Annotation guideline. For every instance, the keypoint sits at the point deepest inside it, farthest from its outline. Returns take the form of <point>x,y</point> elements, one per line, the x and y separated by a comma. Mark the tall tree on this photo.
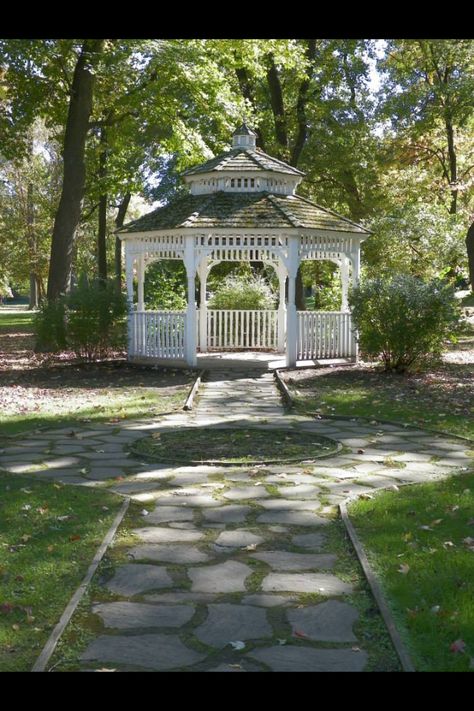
<point>74,176</point>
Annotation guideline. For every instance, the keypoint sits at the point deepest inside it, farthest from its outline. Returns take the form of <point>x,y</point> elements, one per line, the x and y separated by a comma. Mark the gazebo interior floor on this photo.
<point>258,359</point>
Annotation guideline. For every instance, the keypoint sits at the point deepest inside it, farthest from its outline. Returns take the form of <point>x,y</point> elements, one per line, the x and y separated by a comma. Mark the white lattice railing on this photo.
<point>157,334</point>
<point>241,329</point>
<point>325,334</point>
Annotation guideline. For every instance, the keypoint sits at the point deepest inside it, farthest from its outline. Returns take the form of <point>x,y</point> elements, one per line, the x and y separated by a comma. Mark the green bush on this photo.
<point>95,319</point>
<point>50,326</point>
<point>89,321</point>
<point>404,320</point>
<point>243,292</point>
<point>165,286</point>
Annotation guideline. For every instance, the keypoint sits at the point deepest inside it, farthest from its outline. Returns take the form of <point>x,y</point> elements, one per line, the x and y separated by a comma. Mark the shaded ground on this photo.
<point>441,398</point>
<point>36,389</point>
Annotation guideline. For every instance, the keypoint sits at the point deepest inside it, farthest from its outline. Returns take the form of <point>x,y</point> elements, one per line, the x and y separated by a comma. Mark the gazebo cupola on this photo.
<point>243,169</point>
<point>242,206</point>
<point>244,137</point>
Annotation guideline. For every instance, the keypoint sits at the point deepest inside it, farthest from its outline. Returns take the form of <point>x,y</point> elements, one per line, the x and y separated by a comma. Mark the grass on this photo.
<point>429,529</point>
<point>234,446</point>
<point>10,319</point>
<point>44,391</point>
<point>434,401</point>
<point>48,536</point>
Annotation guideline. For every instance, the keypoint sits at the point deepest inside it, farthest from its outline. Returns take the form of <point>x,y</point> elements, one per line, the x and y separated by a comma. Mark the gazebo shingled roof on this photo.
<point>226,210</point>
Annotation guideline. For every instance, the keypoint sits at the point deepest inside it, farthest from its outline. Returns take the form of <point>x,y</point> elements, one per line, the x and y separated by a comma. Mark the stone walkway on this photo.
<point>216,578</point>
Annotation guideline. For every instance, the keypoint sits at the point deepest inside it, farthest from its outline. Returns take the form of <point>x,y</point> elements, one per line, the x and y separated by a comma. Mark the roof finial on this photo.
<point>244,137</point>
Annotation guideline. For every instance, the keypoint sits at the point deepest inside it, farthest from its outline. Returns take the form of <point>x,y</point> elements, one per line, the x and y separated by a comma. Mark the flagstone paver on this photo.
<point>307,659</point>
<point>230,622</point>
<point>133,615</point>
<point>222,578</point>
<point>330,621</point>
<point>243,545</point>
<point>134,579</point>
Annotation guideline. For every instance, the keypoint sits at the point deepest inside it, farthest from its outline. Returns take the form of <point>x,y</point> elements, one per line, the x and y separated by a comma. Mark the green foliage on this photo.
<point>90,321</point>
<point>95,319</point>
<point>165,286</point>
<point>243,292</point>
<point>415,238</point>
<point>404,320</point>
<point>50,325</point>
<point>325,279</point>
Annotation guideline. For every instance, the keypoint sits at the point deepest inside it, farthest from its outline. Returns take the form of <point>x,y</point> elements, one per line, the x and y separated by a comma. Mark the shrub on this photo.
<point>243,292</point>
<point>404,320</point>
<point>90,321</point>
<point>50,326</point>
<point>95,319</point>
<point>165,286</point>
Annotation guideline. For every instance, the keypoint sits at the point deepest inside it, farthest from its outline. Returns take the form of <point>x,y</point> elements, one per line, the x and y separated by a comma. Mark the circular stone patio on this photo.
<point>226,556</point>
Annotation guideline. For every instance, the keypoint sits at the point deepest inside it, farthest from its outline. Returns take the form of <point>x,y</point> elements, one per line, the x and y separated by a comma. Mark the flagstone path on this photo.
<point>216,578</point>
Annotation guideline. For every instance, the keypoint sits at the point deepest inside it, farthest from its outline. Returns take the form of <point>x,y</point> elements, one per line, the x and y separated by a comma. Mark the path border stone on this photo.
<point>50,646</point>
<point>376,588</point>
<point>188,405</point>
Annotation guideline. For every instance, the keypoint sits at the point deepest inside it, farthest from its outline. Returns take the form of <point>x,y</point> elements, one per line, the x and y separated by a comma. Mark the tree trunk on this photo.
<point>301,104</point>
<point>119,220</point>
<point>32,246</point>
<point>74,172</point>
<point>278,108</point>
<point>453,174</point>
<point>247,92</point>
<point>102,221</point>
<point>470,254</point>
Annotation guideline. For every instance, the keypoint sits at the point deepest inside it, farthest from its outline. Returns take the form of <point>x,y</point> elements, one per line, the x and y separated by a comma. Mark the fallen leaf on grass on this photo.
<point>459,646</point>
<point>76,537</point>
<point>237,645</point>
<point>448,544</point>
<point>6,608</point>
<point>299,633</point>
<point>281,642</point>
<point>25,538</point>
<point>404,569</point>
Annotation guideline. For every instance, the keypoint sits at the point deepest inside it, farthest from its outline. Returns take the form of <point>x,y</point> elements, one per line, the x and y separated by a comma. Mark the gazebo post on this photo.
<point>141,284</point>
<point>190,331</point>
<point>203,274</point>
<point>281,273</point>
<point>344,282</point>
<point>130,320</point>
<point>291,315</point>
<point>355,274</point>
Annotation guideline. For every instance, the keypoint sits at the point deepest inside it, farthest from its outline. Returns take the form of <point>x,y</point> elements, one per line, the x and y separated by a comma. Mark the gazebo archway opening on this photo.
<point>242,208</point>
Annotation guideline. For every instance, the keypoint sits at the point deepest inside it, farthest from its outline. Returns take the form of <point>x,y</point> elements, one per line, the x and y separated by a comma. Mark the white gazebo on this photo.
<point>241,206</point>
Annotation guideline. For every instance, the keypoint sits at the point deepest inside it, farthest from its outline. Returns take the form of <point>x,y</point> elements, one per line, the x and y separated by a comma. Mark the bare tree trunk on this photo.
<point>470,254</point>
<point>102,215</point>
<point>278,107</point>
<point>453,174</point>
<point>301,104</point>
<point>119,220</point>
<point>32,246</point>
<point>70,204</point>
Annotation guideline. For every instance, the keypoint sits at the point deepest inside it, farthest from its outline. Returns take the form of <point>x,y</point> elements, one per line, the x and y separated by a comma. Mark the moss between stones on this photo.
<point>230,446</point>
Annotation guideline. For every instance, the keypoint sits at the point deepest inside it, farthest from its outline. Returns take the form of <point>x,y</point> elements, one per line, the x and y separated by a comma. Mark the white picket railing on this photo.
<point>325,334</point>
<point>229,329</point>
<point>161,334</point>
<point>157,334</point>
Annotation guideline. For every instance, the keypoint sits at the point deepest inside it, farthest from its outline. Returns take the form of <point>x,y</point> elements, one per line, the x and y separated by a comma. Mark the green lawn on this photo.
<point>420,541</point>
<point>10,319</point>
<point>48,536</point>
<point>442,399</point>
<point>45,391</point>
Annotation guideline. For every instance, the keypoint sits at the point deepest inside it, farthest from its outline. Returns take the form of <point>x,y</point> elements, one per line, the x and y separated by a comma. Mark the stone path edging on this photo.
<point>50,646</point>
<point>375,586</point>
<point>188,405</point>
